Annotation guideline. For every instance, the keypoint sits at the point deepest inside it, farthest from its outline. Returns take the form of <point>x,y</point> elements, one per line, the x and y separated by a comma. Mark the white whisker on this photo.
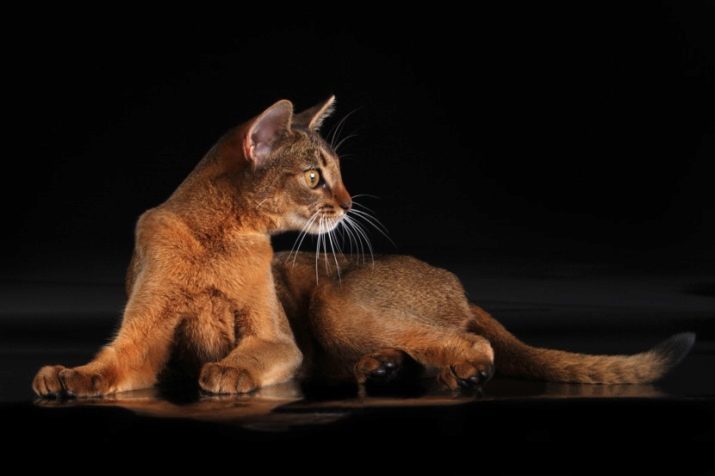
<point>323,229</point>
<point>301,236</point>
<point>317,255</point>
<point>374,222</point>
<point>365,236</point>
<point>368,195</point>
<point>363,206</point>
<point>344,140</point>
<point>338,128</point>
<point>350,228</point>
<point>345,232</point>
<point>332,247</point>
<point>361,231</point>
<point>338,237</point>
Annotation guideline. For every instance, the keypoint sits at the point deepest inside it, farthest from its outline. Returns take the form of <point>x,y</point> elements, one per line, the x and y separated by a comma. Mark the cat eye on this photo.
<point>312,177</point>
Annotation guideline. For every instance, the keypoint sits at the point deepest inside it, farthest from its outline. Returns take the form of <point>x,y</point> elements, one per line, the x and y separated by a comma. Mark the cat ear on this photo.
<point>313,118</point>
<point>265,129</point>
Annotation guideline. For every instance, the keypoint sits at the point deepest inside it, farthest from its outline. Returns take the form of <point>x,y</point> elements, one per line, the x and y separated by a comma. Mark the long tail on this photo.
<point>517,359</point>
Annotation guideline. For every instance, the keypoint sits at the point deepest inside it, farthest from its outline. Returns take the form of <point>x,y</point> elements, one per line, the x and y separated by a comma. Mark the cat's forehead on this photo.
<point>317,150</point>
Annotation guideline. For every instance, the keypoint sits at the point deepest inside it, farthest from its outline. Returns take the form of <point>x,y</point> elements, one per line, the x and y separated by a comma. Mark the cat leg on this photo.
<point>465,360</point>
<point>131,361</point>
<point>383,366</point>
<point>352,330</point>
<point>266,352</point>
<point>462,360</point>
<point>254,363</point>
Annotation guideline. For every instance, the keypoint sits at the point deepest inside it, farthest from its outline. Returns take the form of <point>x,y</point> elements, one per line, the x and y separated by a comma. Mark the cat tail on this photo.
<point>517,359</point>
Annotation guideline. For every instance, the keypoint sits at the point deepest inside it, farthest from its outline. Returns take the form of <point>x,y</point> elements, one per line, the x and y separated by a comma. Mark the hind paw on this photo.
<point>466,375</point>
<point>379,367</point>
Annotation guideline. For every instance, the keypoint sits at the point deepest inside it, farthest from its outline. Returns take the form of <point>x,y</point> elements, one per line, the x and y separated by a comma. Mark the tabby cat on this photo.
<point>204,286</point>
<point>369,320</point>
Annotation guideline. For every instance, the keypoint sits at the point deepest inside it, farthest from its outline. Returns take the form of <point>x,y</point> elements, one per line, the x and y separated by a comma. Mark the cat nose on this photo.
<point>341,195</point>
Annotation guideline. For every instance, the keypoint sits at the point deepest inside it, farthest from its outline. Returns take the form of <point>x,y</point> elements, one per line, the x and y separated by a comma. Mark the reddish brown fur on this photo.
<point>203,279</point>
<point>201,270</point>
<point>404,304</point>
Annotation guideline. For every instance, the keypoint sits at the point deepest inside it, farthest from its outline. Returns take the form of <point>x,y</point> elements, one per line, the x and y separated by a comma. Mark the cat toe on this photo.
<point>467,375</point>
<point>379,367</point>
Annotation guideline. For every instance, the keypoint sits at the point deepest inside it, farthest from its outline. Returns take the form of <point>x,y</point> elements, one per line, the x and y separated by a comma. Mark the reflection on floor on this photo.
<point>597,426</point>
<point>285,406</point>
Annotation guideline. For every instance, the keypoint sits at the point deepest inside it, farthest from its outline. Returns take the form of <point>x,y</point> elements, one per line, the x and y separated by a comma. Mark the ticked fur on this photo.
<point>204,287</point>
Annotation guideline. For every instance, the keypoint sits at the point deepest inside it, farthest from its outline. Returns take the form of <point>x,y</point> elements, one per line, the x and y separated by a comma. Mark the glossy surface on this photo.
<point>575,309</point>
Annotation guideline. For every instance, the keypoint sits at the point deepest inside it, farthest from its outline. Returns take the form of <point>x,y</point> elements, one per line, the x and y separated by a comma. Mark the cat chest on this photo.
<point>213,324</point>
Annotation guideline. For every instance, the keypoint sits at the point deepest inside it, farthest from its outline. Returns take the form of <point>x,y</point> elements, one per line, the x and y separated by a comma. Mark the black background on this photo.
<point>575,132</point>
<point>503,138</point>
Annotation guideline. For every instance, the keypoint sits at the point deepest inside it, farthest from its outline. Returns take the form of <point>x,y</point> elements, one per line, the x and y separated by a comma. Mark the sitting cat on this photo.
<point>200,279</point>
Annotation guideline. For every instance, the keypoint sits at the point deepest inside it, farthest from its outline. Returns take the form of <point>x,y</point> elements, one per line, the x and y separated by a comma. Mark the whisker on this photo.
<point>301,237</point>
<point>317,255</point>
<point>368,216</point>
<point>368,195</point>
<point>361,231</point>
<point>367,242</point>
<point>339,126</point>
<point>345,230</point>
<point>303,231</point>
<point>350,228</point>
<point>357,204</point>
<point>339,238</point>
<point>325,245</point>
<point>375,223</point>
<point>332,247</point>
<point>344,140</point>
<point>335,235</point>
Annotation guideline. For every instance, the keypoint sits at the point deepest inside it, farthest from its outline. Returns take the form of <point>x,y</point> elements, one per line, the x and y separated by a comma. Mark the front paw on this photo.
<point>219,378</point>
<point>47,383</point>
<point>56,380</point>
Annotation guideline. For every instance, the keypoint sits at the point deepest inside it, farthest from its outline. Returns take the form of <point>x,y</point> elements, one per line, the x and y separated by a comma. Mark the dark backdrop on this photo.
<point>531,132</point>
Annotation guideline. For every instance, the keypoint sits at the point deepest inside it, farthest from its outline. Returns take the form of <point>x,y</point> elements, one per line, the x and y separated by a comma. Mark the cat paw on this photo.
<point>56,380</point>
<point>46,383</point>
<point>80,383</point>
<point>466,375</point>
<point>220,379</point>
<point>379,367</point>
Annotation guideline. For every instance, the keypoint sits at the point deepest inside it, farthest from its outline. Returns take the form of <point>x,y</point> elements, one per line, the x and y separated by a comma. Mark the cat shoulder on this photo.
<point>158,225</point>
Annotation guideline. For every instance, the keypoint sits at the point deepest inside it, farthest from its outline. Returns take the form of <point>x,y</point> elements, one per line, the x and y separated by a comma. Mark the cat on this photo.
<point>204,283</point>
<point>200,280</point>
<point>373,319</point>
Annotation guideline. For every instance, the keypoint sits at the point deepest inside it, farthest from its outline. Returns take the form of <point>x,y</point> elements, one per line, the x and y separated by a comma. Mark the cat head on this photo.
<point>294,172</point>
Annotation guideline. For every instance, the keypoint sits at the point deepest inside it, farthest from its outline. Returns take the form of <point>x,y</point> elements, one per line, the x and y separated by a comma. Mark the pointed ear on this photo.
<point>313,118</point>
<point>265,130</point>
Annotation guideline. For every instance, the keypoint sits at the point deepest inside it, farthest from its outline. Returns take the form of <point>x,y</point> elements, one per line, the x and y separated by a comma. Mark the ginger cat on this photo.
<point>200,279</point>
<point>374,318</point>
<point>203,284</point>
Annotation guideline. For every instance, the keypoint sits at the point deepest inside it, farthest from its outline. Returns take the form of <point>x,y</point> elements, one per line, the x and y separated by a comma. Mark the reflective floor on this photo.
<point>540,426</point>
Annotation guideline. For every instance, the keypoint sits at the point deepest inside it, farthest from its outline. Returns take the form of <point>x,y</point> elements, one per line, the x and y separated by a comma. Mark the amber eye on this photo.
<point>312,177</point>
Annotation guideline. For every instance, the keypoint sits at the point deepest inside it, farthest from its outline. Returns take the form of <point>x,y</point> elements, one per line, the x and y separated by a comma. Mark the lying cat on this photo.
<point>370,320</point>
<point>204,287</point>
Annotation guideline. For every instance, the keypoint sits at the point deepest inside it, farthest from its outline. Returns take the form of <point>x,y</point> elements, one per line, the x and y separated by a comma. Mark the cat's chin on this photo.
<point>327,225</point>
<point>298,223</point>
